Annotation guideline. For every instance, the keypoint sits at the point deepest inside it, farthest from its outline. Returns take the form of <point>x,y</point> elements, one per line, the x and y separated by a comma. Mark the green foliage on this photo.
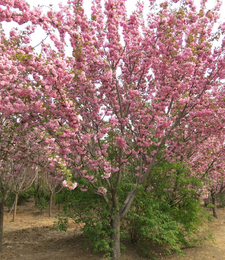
<point>10,200</point>
<point>61,224</point>
<point>210,206</point>
<point>25,195</point>
<point>221,199</point>
<point>88,210</point>
<point>22,57</point>
<point>41,200</point>
<point>166,211</point>
<point>97,230</point>
<point>41,204</point>
<point>22,198</point>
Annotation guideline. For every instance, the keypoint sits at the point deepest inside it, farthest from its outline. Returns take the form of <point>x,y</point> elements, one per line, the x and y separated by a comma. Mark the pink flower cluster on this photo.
<point>102,190</point>
<point>69,185</point>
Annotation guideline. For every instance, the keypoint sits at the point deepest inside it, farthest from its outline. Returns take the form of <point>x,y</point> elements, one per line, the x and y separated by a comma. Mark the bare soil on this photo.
<point>31,237</point>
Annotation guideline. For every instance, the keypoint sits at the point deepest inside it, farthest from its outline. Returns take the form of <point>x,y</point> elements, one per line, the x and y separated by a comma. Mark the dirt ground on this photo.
<point>31,237</point>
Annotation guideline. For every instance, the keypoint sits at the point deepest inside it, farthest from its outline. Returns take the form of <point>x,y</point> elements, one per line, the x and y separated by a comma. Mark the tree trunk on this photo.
<point>213,195</point>
<point>206,202</point>
<point>37,196</point>
<point>15,206</point>
<point>1,222</point>
<point>116,254</point>
<point>116,220</point>
<point>50,204</point>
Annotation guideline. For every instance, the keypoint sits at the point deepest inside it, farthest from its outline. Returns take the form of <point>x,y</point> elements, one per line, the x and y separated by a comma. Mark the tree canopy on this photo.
<point>134,93</point>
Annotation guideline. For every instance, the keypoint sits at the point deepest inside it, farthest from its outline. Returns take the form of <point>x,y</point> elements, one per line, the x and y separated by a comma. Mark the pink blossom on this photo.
<point>70,185</point>
<point>114,121</point>
<point>106,176</point>
<point>83,189</point>
<point>102,190</point>
<point>121,142</point>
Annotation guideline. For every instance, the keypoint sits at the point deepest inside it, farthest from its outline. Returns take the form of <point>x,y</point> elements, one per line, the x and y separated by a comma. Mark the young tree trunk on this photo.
<point>50,204</point>
<point>206,202</point>
<point>116,221</point>
<point>213,195</point>
<point>1,222</point>
<point>116,254</point>
<point>15,206</point>
<point>37,196</point>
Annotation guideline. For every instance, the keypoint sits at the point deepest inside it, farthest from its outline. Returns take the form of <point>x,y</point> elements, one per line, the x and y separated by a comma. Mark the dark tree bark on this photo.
<point>15,206</point>
<point>1,222</point>
<point>116,253</point>
<point>37,188</point>
<point>50,204</point>
<point>206,202</point>
<point>116,222</point>
<point>213,195</point>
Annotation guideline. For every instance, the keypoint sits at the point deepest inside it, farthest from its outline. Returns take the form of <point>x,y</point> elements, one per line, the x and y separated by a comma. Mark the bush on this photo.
<point>221,199</point>
<point>41,200</point>
<point>88,210</point>
<point>22,198</point>
<point>25,195</point>
<point>165,212</point>
<point>168,211</point>
<point>10,200</point>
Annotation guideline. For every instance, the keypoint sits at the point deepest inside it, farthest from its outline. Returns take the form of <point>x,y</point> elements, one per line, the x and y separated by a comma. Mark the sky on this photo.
<point>45,5</point>
<point>87,7</point>
<point>87,4</point>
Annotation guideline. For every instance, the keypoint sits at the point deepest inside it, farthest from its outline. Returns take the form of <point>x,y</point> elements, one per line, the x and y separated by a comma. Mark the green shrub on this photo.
<point>165,212</point>
<point>221,199</point>
<point>88,210</point>
<point>25,195</point>
<point>41,200</point>
<point>22,198</point>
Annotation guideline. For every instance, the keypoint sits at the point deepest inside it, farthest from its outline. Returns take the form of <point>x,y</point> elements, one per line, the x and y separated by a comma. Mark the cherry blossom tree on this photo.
<point>208,164</point>
<point>136,86</point>
<point>51,186</point>
<point>21,181</point>
<point>19,148</point>
<point>128,95</point>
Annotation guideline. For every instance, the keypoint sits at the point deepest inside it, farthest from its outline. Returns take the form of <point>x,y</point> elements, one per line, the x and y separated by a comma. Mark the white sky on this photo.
<point>87,4</point>
<point>130,4</point>
<point>87,7</point>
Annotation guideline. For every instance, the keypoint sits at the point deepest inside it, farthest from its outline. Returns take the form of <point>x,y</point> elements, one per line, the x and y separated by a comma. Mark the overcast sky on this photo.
<point>87,4</point>
<point>87,7</point>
